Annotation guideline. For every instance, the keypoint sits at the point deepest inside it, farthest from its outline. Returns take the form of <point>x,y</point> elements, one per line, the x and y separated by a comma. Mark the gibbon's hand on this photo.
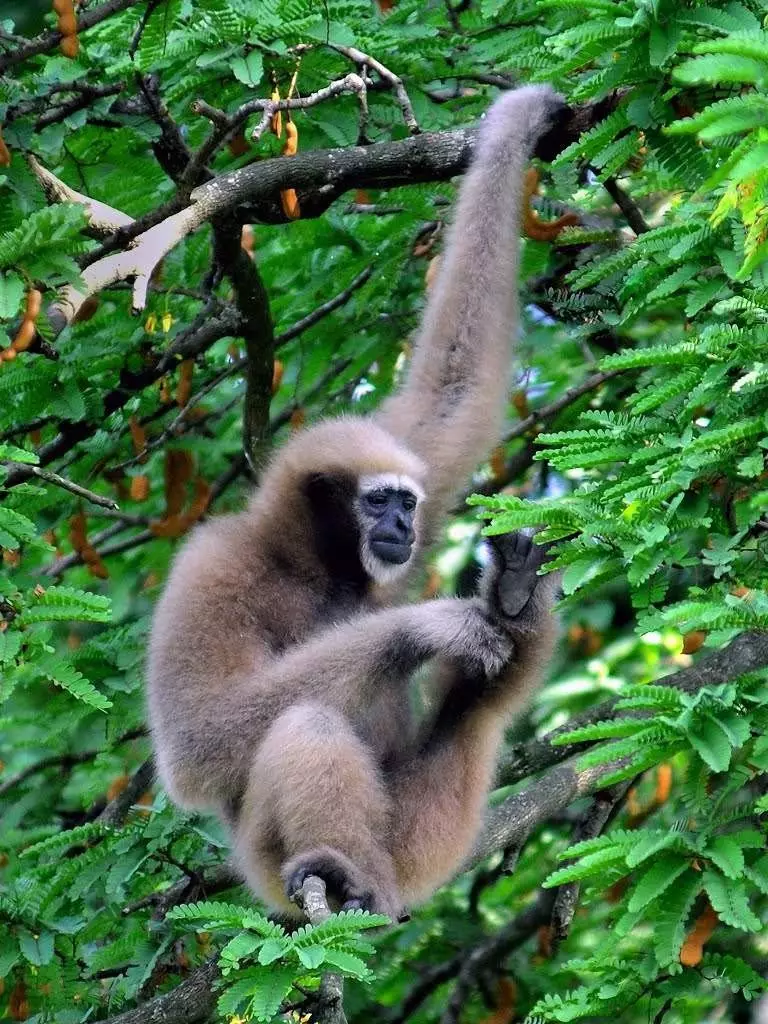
<point>513,578</point>
<point>476,643</point>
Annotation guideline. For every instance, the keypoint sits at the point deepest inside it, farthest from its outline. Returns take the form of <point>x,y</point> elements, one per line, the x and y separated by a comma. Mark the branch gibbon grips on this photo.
<point>282,653</point>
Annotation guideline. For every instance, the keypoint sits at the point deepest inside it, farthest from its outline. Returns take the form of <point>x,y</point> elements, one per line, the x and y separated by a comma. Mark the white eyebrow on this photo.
<point>393,481</point>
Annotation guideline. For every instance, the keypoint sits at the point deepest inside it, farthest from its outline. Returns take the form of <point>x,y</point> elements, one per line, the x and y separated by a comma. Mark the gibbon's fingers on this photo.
<point>513,578</point>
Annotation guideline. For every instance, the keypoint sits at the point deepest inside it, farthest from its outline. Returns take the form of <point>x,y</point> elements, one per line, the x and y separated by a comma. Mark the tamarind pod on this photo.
<point>140,487</point>
<point>68,23</point>
<point>24,337</point>
<point>277,376</point>
<point>70,46</point>
<point>291,144</point>
<point>290,203</point>
<point>34,303</point>
<point>5,153</point>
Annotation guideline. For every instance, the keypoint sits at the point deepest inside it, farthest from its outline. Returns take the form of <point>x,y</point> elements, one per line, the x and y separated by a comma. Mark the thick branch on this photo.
<point>746,653</point>
<point>323,174</point>
<point>312,900</point>
<point>190,1002</point>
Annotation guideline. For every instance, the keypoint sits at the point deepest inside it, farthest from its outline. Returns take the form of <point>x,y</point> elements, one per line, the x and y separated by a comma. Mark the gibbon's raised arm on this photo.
<point>451,407</point>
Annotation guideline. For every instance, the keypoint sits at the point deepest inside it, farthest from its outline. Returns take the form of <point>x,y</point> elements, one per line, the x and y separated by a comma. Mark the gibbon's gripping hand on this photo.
<point>511,581</point>
<point>461,631</point>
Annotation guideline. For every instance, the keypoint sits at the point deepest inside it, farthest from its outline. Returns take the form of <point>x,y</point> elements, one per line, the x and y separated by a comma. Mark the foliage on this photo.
<point>650,484</point>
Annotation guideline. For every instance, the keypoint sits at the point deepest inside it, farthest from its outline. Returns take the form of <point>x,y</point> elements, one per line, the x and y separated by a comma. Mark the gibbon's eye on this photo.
<point>377,498</point>
<point>409,502</point>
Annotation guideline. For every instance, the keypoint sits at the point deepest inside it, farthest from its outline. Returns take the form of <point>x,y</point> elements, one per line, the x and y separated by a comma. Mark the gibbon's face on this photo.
<point>387,506</point>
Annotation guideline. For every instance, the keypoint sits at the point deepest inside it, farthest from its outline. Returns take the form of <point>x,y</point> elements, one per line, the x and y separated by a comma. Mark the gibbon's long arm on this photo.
<point>451,407</point>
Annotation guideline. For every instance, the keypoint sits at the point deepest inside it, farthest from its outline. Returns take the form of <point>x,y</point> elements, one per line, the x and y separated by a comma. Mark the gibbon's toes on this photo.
<point>344,888</point>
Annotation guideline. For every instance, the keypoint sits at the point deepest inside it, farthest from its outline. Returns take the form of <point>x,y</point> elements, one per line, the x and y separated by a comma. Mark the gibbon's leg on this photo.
<point>315,804</point>
<point>439,793</point>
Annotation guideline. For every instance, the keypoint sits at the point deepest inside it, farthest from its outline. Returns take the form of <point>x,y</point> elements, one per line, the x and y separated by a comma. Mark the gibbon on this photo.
<point>281,657</point>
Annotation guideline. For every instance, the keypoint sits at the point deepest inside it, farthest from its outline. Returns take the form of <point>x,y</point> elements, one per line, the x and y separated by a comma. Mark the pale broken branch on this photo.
<point>103,219</point>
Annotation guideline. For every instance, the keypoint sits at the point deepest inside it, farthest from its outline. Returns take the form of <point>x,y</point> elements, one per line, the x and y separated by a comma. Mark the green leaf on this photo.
<point>249,69</point>
<point>15,528</point>
<point>37,948</point>
<point>274,985</point>
<point>273,949</point>
<point>710,742</point>
<point>14,454</point>
<point>670,924</point>
<point>238,948</point>
<point>11,294</point>
<point>727,855</point>
<point>348,964</point>
<point>656,879</point>
<point>729,899</point>
<point>311,956</point>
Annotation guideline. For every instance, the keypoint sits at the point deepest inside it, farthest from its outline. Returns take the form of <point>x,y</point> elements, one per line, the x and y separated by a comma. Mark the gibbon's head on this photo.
<point>358,492</point>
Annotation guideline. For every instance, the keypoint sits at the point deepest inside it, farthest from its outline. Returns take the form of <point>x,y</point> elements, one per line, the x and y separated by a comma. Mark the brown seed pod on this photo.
<point>288,198</point>
<point>5,153</point>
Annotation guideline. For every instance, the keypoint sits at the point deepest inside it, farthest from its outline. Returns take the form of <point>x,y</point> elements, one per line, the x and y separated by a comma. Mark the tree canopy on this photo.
<point>216,219</point>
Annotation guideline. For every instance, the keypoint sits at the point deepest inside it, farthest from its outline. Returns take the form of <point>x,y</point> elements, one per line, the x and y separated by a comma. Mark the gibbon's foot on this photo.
<point>518,560</point>
<point>345,887</point>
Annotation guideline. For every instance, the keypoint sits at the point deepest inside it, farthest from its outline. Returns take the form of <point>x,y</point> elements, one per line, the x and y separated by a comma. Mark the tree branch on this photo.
<point>324,174</point>
<point>48,41</point>
<point>22,469</point>
<point>746,653</point>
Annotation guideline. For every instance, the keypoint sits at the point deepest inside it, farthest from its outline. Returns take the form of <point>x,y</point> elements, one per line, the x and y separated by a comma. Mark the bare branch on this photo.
<point>21,469</point>
<point>190,1002</point>
<point>327,173</point>
<point>102,218</point>
<point>364,61</point>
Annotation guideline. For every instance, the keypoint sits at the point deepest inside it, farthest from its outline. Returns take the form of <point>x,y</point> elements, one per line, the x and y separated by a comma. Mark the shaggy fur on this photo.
<point>280,661</point>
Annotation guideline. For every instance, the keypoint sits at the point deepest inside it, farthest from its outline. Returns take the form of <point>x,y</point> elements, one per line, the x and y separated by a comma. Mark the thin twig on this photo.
<point>22,469</point>
<point>597,817</point>
<point>63,761</point>
<point>364,61</point>
<point>225,124</point>
<point>627,205</point>
<point>117,810</point>
<point>567,398</point>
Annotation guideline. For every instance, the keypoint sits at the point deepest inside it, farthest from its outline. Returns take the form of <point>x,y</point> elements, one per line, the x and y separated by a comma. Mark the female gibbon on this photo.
<point>280,658</point>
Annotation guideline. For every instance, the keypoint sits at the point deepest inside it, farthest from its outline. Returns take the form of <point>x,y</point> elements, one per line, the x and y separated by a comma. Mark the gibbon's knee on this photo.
<point>316,804</point>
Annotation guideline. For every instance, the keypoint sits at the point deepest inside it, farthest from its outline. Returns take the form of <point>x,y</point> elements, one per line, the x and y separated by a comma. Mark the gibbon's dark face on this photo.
<point>386,504</point>
<point>391,535</point>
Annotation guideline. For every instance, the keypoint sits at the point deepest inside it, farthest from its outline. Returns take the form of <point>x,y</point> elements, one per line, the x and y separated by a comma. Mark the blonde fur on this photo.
<point>279,664</point>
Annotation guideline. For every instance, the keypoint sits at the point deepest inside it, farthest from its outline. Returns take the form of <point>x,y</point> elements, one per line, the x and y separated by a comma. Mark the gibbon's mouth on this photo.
<point>387,551</point>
